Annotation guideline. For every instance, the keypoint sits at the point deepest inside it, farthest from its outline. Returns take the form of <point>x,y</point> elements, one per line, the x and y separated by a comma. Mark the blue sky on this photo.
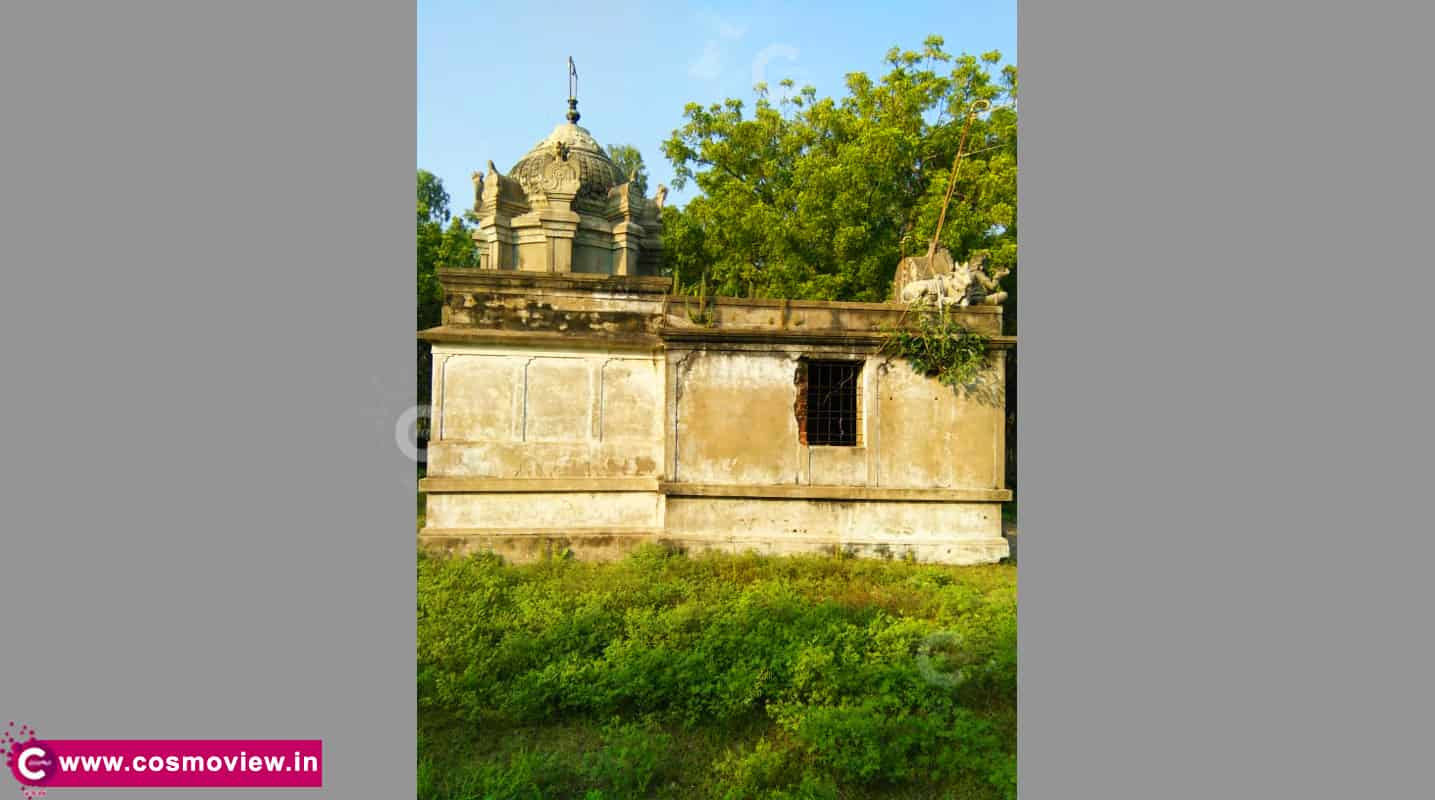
<point>492,78</point>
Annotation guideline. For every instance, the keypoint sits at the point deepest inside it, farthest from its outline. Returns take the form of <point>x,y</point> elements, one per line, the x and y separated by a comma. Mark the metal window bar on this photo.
<point>833,413</point>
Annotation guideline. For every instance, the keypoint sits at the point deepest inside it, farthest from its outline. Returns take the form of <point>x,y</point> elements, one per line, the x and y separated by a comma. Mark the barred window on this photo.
<point>829,409</point>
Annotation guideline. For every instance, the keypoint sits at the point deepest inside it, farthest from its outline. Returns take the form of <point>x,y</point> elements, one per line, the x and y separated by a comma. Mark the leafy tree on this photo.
<point>819,198</point>
<point>433,200</point>
<point>630,163</point>
<point>437,247</point>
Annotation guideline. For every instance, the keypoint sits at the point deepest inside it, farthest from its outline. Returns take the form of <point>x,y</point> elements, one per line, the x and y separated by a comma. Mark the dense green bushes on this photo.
<point>732,677</point>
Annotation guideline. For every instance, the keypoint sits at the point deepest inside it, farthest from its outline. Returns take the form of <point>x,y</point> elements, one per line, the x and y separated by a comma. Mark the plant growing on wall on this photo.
<point>939,346</point>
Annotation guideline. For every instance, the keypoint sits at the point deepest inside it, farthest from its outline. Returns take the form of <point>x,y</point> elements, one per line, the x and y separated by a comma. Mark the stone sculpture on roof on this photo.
<point>944,282</point>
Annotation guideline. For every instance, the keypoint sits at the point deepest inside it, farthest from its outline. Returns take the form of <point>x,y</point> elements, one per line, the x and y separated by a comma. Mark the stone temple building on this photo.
<point>579,406</point>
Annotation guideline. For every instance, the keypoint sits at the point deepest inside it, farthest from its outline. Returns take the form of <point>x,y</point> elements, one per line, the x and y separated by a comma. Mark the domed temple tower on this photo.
<point>566,207</point>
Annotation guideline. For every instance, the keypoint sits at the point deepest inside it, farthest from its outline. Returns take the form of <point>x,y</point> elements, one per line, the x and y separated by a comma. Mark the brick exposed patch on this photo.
<point>799,406</point>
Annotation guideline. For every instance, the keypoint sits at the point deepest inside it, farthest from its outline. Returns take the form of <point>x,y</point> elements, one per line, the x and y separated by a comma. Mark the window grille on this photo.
<point>829,402</point>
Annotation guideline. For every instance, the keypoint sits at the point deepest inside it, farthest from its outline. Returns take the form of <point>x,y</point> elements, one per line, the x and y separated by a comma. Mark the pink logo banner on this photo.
<point>165,763</point>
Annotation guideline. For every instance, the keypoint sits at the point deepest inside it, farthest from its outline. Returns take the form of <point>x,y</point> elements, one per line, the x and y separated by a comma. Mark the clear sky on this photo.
<point>492,77</point>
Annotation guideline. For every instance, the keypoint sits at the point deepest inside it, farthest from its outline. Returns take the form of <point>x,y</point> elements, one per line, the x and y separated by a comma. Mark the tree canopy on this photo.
<point>433,200</point>
<point>820,198</point>
<point>437,246</point>
<point>630,162</point>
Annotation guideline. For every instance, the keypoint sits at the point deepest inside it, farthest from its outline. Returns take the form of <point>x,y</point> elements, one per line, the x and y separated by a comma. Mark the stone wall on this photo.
<point>505,412</point>
<point>590,413</point>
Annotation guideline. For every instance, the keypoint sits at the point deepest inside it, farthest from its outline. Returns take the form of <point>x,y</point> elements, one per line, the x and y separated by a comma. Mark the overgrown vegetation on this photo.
<point>715,677</point>
<point>819,198</point>
<point>941,347</point>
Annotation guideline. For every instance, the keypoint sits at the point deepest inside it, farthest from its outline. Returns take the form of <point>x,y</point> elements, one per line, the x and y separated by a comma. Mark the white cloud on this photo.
<point>707,66</point>
<point>766,55</point>
<point>726,29</point>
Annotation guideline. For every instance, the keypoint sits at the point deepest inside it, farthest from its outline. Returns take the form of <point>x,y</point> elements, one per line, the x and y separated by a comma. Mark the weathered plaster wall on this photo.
<point>506,413</point>
<point>591,413</point>
<point>735,423</point>
<point>931,437</point>
<point>563,511</point>
<point>928,531</point>
<point>734,420</point>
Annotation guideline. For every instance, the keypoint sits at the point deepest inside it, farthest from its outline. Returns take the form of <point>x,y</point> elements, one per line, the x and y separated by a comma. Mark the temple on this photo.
<point>566,207</point>
<point>579,407</point>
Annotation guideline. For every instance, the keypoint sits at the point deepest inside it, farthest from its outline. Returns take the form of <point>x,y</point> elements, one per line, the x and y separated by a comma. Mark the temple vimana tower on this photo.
<point>580,407</point>
<point>565,207</point>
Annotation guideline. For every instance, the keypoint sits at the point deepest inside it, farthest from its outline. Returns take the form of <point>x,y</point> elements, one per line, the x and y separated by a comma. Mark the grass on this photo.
<point>715,676</point>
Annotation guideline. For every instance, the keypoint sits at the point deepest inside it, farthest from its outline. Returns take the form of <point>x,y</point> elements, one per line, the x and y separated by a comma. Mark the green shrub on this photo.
<point>833,660</point>
<point>769,771</point>
<point>630,760</point>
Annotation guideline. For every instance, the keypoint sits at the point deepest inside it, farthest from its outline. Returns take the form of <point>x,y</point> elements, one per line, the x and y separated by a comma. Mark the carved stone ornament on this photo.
<point>492,186</point>
<point>572,145</point>
<point>560,177</point>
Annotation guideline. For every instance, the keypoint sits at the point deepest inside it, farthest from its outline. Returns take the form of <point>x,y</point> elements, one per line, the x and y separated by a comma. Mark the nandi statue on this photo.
<point>949,289</point>
<point>951,284</point>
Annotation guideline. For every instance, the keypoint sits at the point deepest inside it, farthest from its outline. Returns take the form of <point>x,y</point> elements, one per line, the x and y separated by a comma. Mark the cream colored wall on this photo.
<point>736,424</point>
<point>932,438</point>
<point>954,533</point>
<point>733,415</point>
<point>507,413</point>
<point>564,511</point>
<point>536,451</point>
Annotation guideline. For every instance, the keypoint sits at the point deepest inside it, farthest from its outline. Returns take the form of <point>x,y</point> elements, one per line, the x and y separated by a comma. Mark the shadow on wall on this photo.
<point>984,390</point>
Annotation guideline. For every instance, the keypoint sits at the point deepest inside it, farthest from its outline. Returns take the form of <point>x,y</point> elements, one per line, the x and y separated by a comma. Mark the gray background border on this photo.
<point>1222,376</point>
<point>1222,352</point>
<point>207,316</point>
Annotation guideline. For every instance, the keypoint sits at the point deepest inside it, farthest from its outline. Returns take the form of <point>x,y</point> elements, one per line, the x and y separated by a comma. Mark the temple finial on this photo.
<point>572,91</point>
